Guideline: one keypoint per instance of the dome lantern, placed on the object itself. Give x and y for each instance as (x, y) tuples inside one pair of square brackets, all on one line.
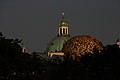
[(63, 26)]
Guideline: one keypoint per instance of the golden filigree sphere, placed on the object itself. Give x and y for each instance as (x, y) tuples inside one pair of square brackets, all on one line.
[(81, 45)]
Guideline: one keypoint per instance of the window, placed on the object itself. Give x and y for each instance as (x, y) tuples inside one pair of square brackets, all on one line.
[(60, 30), (63, 30), (66, 30)]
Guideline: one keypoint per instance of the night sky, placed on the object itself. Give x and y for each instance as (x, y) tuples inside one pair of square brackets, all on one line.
[(36, 21)]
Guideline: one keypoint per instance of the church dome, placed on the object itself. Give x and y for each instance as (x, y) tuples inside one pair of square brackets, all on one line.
[(81, 45), (56, 44)]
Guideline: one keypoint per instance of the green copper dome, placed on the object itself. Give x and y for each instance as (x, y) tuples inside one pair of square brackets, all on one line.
[(56, 44)]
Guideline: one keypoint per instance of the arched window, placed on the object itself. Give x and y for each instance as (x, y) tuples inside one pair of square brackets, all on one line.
[(64, 31), (60, 30)]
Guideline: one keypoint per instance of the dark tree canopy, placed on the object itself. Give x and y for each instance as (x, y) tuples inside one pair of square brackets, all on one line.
[(15, 65)]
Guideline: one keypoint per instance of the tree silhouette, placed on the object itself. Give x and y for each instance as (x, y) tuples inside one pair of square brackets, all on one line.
[(15, 65)]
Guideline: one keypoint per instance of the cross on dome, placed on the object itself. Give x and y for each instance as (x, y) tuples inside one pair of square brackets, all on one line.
[(62, 14)]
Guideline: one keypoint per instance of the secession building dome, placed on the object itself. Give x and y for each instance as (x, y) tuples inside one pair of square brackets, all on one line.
[(56, 44), (81, 45)]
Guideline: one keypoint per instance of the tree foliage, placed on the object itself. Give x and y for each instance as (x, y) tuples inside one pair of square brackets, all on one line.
[(15, 65)]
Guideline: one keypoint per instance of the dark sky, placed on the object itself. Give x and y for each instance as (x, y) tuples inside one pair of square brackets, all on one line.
[(36, 21)]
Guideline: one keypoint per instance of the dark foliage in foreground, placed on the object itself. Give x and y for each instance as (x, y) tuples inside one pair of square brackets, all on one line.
[(15, 65)]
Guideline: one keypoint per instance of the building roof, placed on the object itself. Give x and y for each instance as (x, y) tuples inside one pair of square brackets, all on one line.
[(56, 44), (63, 23)]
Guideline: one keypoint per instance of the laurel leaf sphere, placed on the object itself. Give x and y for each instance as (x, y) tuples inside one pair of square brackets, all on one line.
[(81, 45)]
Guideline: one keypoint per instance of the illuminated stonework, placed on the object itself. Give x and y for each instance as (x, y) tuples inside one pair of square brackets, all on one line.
[(81, 45), (51, 54), (23, 48)]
